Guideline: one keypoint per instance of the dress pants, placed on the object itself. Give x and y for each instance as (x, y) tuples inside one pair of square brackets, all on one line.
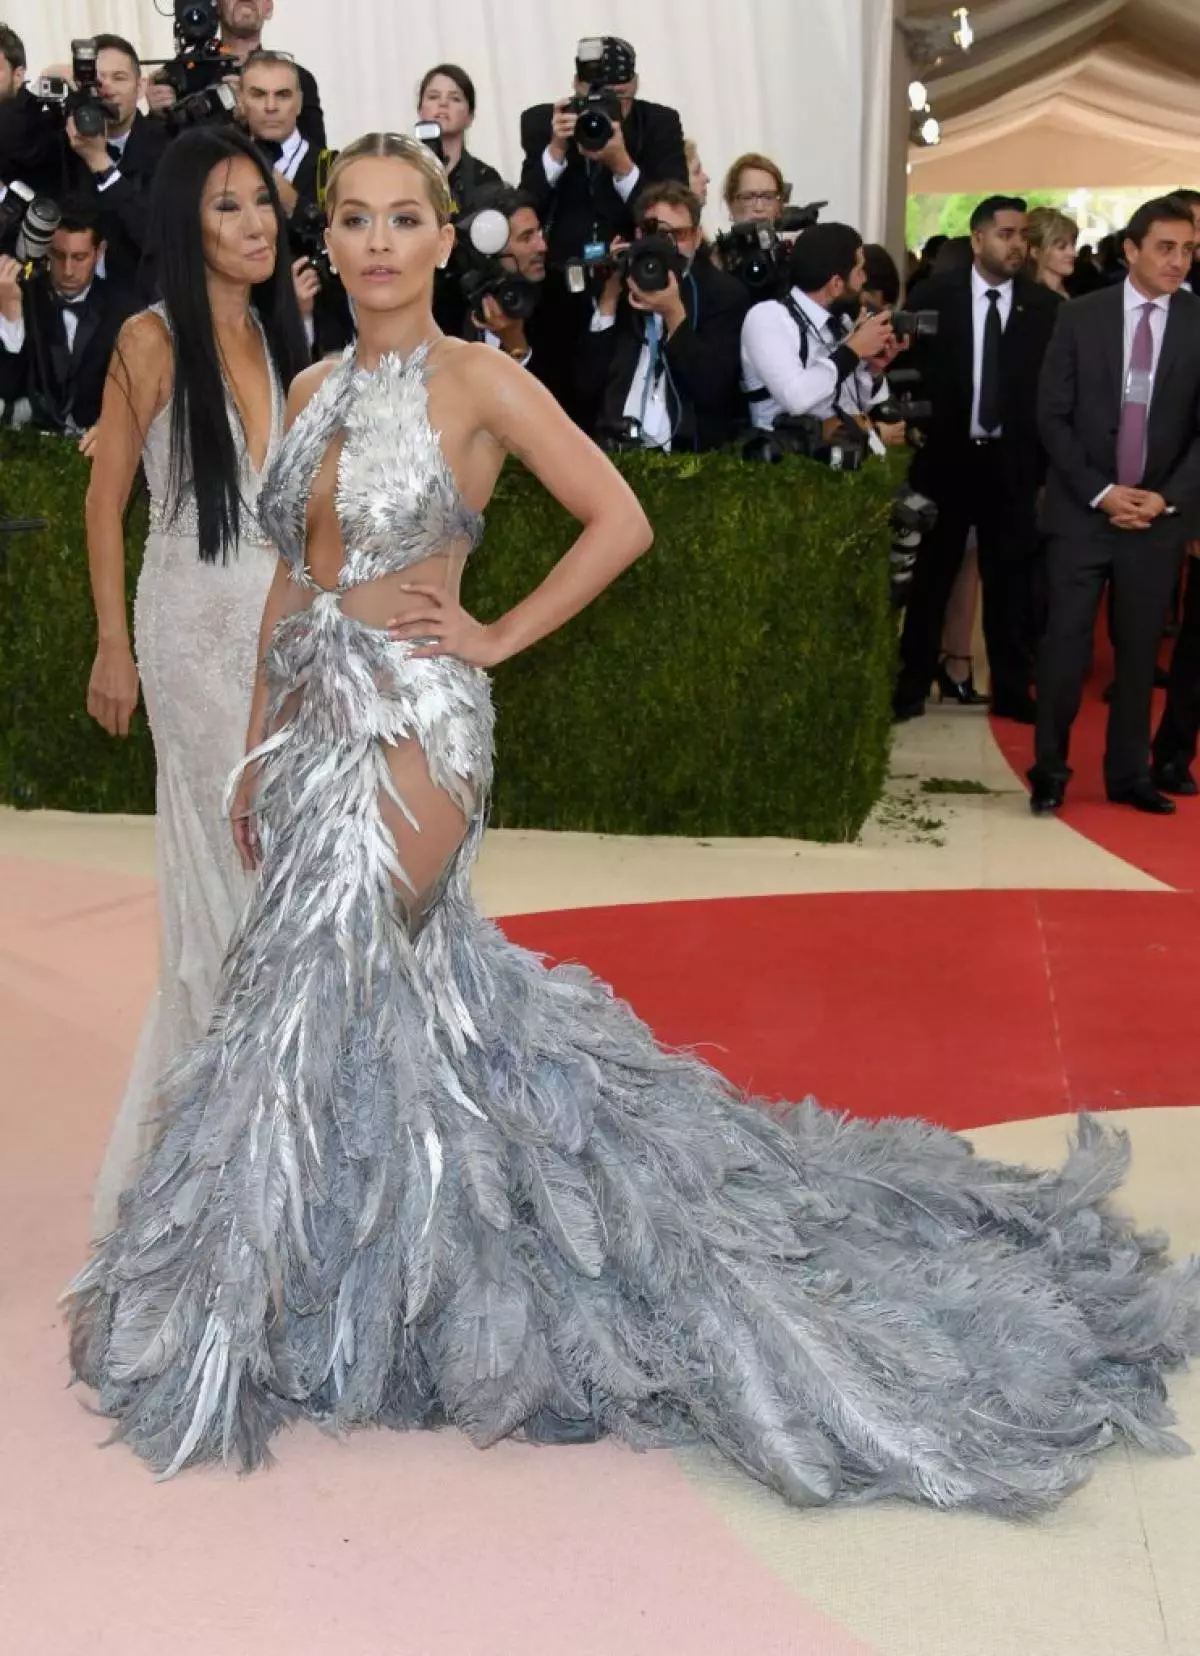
[(977, 490), (1142, 566), (1179, 727)]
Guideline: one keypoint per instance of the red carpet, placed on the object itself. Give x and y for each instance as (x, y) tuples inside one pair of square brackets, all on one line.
[(965, 1007), (1167, 848)]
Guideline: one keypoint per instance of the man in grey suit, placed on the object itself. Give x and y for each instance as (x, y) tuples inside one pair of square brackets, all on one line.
[(1119, 416)]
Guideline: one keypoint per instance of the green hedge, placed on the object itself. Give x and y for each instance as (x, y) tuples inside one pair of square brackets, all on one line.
[(735, 681)]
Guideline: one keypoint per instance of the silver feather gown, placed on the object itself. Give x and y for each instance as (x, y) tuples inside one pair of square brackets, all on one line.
[(413, 1177)]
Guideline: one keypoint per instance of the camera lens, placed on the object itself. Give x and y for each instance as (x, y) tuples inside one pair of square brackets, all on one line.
[(593, 130), (89, 120)]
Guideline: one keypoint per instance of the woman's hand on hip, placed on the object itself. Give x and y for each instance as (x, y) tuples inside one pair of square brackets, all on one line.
[(441, 627), (244, 824), (113, 688)]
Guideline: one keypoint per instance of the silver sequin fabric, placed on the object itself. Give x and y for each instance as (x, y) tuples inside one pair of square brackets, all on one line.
[(415, 1177), (196, 630)]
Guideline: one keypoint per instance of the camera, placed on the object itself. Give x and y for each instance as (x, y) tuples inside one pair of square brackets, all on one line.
[(34, 218), (217, 103), (649, 263), (914, 324), (482, 238), (913, 516), (756, 252), (601, 64), (200, 61), (839, 443), (306, 230), (81, 101), (903, 405)]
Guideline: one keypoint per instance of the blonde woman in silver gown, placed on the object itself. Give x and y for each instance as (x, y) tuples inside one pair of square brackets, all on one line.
[(202, 373), (411, 1177)]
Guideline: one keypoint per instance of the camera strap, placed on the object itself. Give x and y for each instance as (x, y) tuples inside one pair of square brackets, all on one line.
[(324, 166)]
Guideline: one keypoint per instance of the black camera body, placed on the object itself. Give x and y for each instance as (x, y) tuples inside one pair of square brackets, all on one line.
[(481, 273), (649, 263), (842, 447), (914, 324), (200, 61), (82, 101), (306, 232), (757, 252), (598, 112)]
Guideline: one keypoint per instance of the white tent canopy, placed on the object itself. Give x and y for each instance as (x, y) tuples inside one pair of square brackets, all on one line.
[(1066, 93)]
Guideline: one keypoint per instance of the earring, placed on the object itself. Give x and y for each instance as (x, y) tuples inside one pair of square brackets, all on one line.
[(332, 268)]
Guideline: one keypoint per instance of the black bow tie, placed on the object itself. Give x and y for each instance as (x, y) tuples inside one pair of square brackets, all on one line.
[(272, 149), (115, 152), (66, 304)]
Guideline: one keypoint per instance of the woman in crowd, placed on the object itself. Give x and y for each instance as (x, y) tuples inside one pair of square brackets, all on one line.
[(755, 188), (195, 394), (698, 179), (447, 96), (1052, 241), (412, 1176)]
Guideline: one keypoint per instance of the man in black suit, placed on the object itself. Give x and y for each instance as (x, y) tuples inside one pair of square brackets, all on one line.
[(981, 461), (664, 365), (30, 147), (57, 330), (586, 196), (1119, 414), (115, 170)]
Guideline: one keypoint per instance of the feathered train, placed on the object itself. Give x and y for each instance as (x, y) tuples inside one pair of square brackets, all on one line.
[(414, 1178)]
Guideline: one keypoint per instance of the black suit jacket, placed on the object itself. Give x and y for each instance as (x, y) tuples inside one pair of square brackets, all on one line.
[(312, 116), (31, 146), (124, 207), (62, 383), (946, 365), (1079, 412), (703, 356), (584, 204)]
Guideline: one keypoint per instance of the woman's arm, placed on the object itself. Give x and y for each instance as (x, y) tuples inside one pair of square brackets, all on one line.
[(136, 390), (520, 415)]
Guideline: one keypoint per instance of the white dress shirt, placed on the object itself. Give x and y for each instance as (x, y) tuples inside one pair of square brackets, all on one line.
[(1134, 300), (980, 305), (12, 334), (771, 360), (647, 399), (294, 149), (554, 169)]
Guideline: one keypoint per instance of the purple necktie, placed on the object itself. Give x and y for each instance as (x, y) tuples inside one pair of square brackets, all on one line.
[(1135, 404)]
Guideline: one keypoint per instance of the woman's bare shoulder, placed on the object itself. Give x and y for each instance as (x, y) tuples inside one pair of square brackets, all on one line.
[(145, 343), (307, 383)]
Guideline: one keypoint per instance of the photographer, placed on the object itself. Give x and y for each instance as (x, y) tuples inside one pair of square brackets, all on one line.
[(982, 459), (810, 352), (30, 148), (447, 97), (271, 103), (58, 329), (584, 194), (662, 359), (755, 188), (115, 169), (240, 25)]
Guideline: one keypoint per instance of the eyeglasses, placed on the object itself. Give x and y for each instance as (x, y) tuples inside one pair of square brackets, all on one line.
[(655, 227), (759, 198)]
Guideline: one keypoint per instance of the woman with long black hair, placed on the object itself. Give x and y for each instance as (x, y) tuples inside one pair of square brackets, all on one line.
[(195, 394)]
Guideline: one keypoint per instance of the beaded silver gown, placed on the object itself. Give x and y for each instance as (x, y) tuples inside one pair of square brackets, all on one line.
[(196, 642), (412, 1177)]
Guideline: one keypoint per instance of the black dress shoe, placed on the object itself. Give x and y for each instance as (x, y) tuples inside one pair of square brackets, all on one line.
[(1175, 778), (1022, 710), (1143, 796), (1047, 796)]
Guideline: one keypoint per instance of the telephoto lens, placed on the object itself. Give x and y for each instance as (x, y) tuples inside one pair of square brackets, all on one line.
[(42, 219)]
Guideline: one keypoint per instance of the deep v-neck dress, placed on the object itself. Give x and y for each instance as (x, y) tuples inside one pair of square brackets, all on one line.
[(196, 628), (413, 1177)]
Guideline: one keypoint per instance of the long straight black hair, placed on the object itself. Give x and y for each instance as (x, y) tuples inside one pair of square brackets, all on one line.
[(203, 445)]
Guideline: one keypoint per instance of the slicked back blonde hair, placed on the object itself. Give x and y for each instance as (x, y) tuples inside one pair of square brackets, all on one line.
[(395, 146)]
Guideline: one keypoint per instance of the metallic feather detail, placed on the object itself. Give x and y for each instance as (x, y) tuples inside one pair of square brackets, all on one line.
[(414, 1175)]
